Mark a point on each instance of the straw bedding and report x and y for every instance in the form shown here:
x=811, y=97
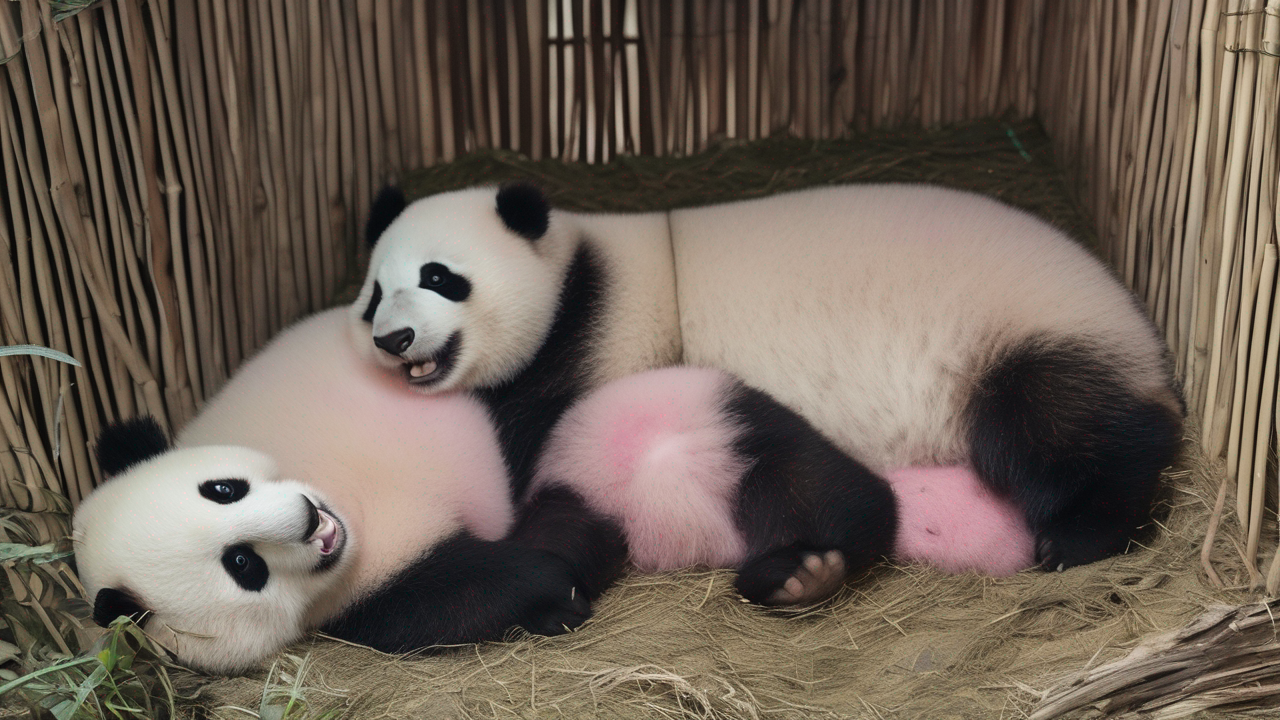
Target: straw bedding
x=902, y=642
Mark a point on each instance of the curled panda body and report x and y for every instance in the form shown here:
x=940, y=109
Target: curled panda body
x=914, y=326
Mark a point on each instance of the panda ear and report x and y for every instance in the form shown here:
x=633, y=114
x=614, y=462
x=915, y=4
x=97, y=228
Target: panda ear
x=111, y=603
x=129, y=442
x=386, y=208
x=524, y=209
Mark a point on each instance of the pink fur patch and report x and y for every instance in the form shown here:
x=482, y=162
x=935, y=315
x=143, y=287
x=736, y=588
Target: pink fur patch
x=653, y=451
x=948, y=519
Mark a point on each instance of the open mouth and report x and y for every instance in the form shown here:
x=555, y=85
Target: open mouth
x=433, y=369
x=328, y=536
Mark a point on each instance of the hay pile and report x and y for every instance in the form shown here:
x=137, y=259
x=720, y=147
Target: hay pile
x=904, y=642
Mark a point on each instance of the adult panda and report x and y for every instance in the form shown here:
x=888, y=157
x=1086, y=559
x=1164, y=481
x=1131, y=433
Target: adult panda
x=912, y=325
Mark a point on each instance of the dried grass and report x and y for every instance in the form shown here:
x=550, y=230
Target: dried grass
x=904, y=642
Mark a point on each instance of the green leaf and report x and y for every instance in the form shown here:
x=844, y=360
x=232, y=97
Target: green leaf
x=56, y=667
x=90, y=684
x=38, y=554
x=41, y=350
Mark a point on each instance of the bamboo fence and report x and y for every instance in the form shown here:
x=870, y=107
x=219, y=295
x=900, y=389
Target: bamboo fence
x=181, y=179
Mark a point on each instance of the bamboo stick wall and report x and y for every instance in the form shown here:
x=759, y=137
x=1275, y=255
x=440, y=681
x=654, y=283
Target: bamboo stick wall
x=183, y=178
x=1169, y=126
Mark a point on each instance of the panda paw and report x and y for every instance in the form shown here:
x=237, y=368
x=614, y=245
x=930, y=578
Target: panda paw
x=553, y=601
x=791, y=577
x=1060, y=547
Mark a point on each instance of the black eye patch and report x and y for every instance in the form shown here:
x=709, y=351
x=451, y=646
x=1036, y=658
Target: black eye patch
x=246, y=567
x=224, y=492
x=440, y=279
x=373, y=303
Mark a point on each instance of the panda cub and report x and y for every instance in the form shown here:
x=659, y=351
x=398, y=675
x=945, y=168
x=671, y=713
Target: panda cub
x=311, y=492
x=914, y=326
x=482, y=290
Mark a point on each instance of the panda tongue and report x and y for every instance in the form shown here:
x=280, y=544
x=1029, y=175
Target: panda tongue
x=424, y=369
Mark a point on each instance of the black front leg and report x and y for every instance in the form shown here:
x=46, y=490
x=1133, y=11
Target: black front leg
x=556, y=520
x=468, y=590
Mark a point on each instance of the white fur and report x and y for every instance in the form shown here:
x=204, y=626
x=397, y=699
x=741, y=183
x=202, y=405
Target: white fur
x=872, y=309
x=655, y=452
x=515, y=288
x=400, y=471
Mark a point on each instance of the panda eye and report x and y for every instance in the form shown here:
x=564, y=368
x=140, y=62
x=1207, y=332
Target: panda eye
x=245, y=567
x=224, y=492
x=441, y=280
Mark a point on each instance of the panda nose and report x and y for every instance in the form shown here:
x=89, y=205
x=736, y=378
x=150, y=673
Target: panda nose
x=395, y=342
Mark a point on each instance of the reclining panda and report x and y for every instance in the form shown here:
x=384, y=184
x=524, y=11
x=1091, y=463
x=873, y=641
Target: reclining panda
x=315, y=492
x=914, y=326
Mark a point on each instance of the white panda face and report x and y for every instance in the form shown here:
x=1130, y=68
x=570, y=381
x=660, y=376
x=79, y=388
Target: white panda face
x=462, y=287
x=224, y=559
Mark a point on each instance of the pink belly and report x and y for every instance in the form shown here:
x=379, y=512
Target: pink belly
x=948, y=519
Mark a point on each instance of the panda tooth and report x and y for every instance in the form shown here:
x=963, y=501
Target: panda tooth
x=424, y=369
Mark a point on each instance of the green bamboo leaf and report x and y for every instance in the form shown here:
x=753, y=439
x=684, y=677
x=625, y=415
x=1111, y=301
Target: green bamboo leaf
x=38, y=554
x=56, y=667
x=89, y=684
x=40, y=350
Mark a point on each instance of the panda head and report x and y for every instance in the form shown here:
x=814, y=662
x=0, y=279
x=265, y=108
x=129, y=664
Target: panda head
x=218, y=559
x=462, y=286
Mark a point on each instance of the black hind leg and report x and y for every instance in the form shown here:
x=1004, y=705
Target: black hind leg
x=1052, y=426
x=810, y=514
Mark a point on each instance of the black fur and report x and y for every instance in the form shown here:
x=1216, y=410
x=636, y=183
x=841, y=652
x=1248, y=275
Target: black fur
x=374, y=299
x=1052, y=426
x=440, y=279
x=524, y=209
x=111, y=603
x=224, y=492
x=525, y=409
x=556, y=519
x=467, y=590
x=129, y=442
x=801, y=495
x=246, y=567
x=385, y=209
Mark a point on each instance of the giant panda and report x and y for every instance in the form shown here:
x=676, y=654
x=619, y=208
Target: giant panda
x=915, y=326
x=311, y=492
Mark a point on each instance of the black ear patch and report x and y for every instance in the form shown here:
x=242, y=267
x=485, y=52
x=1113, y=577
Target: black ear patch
x=524, y=209
x=129, y=442
x=112, y=603
x=386, y=208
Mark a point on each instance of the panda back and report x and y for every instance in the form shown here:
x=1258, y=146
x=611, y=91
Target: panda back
x=874, y=309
